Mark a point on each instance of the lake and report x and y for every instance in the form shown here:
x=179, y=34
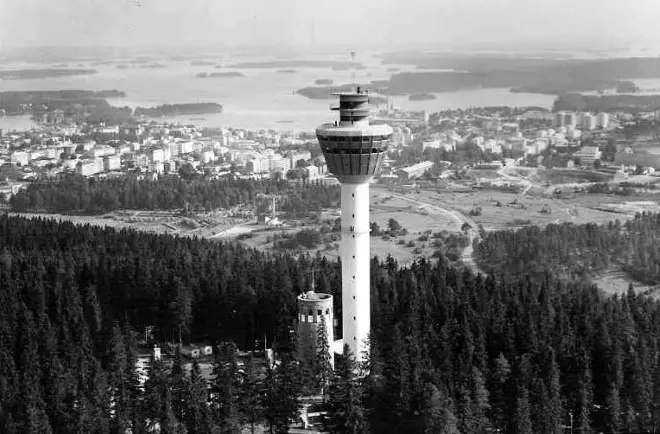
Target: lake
x=264, y=98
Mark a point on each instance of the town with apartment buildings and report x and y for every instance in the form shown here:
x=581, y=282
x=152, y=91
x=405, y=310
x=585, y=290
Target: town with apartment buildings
x=492, y=137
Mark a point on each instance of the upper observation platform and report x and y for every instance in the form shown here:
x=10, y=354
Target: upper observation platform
x=353, y=148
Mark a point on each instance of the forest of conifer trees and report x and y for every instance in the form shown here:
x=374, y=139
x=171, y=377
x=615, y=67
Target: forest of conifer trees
x=451, y=352
x=576, y=252
x=78, y=194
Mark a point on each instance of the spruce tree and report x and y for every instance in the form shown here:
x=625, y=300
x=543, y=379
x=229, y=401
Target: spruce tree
x=522, y=420
x=437, y=412
x=156, y=389
x=585, y=397
x=555, y=411
x=178, y=383
x=480, y=402
x=197, y=417
x=250, y=396
x=281, y=393
x=345, y=411
x=169, y=424
x=655, y=405
x=323, y=362
x=500, y=380
x=613, y=405
x=224, y=389
x=117, y=381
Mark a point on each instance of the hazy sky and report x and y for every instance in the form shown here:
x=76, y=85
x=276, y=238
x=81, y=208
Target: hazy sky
x=352, y=23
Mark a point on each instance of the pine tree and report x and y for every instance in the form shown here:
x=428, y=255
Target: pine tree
x=345, y=411
x=323, y=361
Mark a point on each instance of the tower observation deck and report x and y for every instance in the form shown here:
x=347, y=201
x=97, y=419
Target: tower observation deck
x=354, y=151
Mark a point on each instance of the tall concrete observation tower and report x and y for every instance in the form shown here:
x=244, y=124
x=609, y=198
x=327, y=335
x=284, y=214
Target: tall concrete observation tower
x=354, y=151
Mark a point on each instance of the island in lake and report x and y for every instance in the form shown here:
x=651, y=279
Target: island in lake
x=29, y=74
x=421, y=97
x=627, y=87
x=29, y=101
x=300, y=64
x=287, y=71
x=545, y=75
x=202, y=63
x=220, y=74
x=323, y=82
x=154, y=65
x=66, y=106
x=607, y=103
x=198, y=108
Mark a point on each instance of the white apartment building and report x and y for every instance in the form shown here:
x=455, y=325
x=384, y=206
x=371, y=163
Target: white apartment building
x=185, y=147
x=111, y=163
x=587, y=121
x=278, y=164
x=89, y=167
x=156, y=156
x=207, y=156
x=20, y=157
x=258, y=165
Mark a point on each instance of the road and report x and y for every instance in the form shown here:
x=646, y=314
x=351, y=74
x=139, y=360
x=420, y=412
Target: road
x=460, y=219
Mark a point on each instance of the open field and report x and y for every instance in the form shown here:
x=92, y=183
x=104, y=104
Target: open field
x=162, y=222
x=516, y=210
x=616, y=282
x=559, y=176
x=416, y=218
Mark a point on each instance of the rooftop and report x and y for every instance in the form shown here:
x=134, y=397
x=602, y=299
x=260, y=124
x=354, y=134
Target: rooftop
x=354, y=130
x=311, y=295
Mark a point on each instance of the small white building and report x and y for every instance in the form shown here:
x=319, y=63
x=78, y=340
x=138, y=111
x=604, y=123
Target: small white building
x=588, y=155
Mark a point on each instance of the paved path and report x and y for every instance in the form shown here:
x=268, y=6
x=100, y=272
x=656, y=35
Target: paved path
x=460, y=219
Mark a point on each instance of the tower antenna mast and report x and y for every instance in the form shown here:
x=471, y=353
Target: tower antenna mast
x=352, y=54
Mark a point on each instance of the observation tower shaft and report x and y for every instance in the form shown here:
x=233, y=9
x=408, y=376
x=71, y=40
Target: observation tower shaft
x=354, y=151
